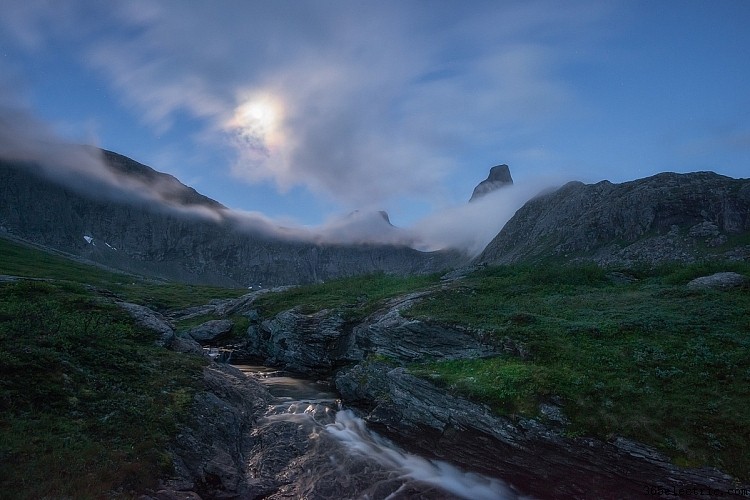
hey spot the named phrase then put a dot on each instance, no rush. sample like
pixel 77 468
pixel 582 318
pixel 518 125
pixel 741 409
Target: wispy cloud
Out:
pixel 379 100
pixel 360 102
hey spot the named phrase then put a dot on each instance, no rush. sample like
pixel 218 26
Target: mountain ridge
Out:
pixel 664 217
pixel 182 235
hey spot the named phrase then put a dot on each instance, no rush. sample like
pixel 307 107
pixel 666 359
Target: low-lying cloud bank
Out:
pixel 472 226
pixel 468 228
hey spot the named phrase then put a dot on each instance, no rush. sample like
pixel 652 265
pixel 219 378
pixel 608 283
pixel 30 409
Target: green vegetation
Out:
pixel 645 358
pixel 650 360
pixel 356 297
pixel 21 260
pixel 88 402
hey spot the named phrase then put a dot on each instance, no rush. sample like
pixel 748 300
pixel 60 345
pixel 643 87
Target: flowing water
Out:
pixel 315 405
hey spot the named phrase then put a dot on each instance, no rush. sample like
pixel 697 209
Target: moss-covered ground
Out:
pixel 88 402
pixel 651 359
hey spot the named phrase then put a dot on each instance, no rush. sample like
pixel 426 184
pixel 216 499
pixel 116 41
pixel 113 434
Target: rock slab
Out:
pixel 718 281
pixel 211 330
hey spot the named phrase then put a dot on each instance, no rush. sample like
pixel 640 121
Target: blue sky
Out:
pixel 304 110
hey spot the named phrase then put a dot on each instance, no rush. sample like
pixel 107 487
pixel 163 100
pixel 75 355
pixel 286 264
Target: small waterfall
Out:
pixel 315 407
pixel 352 431
pixel 219 354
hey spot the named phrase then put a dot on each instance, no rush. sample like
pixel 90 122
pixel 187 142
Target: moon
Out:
pixel 258 121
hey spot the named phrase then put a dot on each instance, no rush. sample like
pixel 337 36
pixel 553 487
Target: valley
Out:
pixel 630 363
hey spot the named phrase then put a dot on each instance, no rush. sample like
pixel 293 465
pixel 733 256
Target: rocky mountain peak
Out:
pixel 665 217
pixel 499 177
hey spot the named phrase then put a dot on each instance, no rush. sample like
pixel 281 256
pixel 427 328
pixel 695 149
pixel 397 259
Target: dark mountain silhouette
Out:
pixel 498 178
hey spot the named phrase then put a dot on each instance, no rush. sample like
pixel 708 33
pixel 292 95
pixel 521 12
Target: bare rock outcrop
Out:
pixel 150 320
pixel 537 458
pixel 208 453
pixel 323 341
pixel 718 281
pixel 666 217
pixel 498 178
pixel 211 330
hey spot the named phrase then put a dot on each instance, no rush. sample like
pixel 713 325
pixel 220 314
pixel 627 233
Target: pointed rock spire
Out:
pixel 499 177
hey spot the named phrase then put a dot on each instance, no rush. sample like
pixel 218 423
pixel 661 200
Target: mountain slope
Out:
pixel 666 217
pixel 175 233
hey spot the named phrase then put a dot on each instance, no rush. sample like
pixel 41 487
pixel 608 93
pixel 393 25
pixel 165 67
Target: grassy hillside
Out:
pixel 88 403
pixel 631 353
pixel 356 297
pixel 627 352
pixel 651 360
pixel 21 260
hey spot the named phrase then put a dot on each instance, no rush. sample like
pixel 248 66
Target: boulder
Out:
pixel 211 330
pixel 186 345
pixel 718 281
pixel 320 342
pixel 152 320
pixel 303 343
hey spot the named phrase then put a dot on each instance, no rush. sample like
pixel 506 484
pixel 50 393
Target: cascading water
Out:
pixel 394 473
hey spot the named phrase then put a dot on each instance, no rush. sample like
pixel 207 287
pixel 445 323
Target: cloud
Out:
pixel 466 227
pixel 360 102
pixel 24 138
pixel 32 144
pixel 470 227
pixel 380 99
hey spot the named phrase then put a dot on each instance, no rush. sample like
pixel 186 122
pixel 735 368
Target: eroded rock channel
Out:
pixel 373 430
pixel 308 446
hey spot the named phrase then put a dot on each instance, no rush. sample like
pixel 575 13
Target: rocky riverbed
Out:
pixel 242 444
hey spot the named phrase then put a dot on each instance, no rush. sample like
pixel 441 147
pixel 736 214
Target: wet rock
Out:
pixel 524 452
pixel 152 320
pixel 207 453
pixel 211 330
pixel 320 342
pixel 186 345
pixel 304 343
pixel 718 281
pixel 296 456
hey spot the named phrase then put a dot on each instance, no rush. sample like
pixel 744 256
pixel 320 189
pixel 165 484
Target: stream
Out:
pixel 387 471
